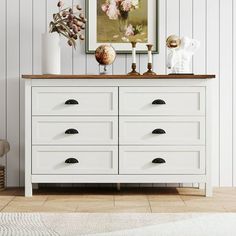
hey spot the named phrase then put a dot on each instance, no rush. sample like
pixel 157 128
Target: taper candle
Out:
pixel 134 51
pixel 149 66
pixel 149 46
pixel 133 72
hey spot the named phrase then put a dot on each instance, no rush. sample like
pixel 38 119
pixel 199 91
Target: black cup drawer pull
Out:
pixel 159 131
pixel 72 131
pixel 158 161
pixel 71 102
pixel 159 102
pixel 71 161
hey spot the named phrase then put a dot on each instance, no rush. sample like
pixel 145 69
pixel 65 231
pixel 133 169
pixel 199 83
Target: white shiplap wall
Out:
pixel 213 22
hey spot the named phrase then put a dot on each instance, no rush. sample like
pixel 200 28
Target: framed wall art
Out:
pixel 119 22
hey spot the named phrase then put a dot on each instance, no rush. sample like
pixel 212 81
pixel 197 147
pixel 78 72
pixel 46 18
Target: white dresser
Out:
pixel 117 129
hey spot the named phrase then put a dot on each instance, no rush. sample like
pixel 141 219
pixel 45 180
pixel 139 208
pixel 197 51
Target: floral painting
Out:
pixel 124 20
pixel 119 22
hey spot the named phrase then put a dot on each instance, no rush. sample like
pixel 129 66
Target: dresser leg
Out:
pixel 208 190
pixel 201 186
pixel 118 186
pixel 28 190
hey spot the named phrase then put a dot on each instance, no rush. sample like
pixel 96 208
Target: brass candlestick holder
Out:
pixel 134 72
pixel 149 71
pixel 149 66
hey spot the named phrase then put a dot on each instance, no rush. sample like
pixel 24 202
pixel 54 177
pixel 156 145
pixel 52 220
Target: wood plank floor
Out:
pixel 132 200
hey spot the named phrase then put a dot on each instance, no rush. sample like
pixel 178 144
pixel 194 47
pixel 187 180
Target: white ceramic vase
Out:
pixel 51 53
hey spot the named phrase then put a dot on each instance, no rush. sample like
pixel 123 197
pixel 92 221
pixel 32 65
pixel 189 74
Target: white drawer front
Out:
pixel 167 160
pixel 91 101
pixel 91 130
pixel 177 101
pixel 91 160
pixel 162 130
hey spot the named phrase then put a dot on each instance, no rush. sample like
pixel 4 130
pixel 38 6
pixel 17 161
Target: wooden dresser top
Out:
pixel 118 77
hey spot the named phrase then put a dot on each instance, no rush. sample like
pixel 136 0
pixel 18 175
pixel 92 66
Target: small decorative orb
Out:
pixel 173 41
pixel 105 55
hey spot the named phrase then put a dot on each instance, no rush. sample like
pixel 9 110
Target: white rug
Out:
pixel 14 224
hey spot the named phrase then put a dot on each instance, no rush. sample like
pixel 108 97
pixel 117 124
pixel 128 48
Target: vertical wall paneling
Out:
pixel 199 33
pixel 79 56
pixel 186 18
pixel 13 81
pixel 25 68
pixel 119 66
pixel 159 60
pixel 173 18
pixel 226 92
pixel 213 67
pixel 91 65
pixel 39 27
pixel 79 59
pixel 51 8
pixel 3 74
pixel 234 89
pixel 22 23
pixel 143 60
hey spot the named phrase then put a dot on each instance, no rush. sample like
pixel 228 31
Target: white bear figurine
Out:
pixel 180 57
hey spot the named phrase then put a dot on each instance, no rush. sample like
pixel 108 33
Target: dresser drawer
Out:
pixel 162 160
pixel 162 130
pixel 74 130
pixel 189 101
pixel 90 160
pixel 74 101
